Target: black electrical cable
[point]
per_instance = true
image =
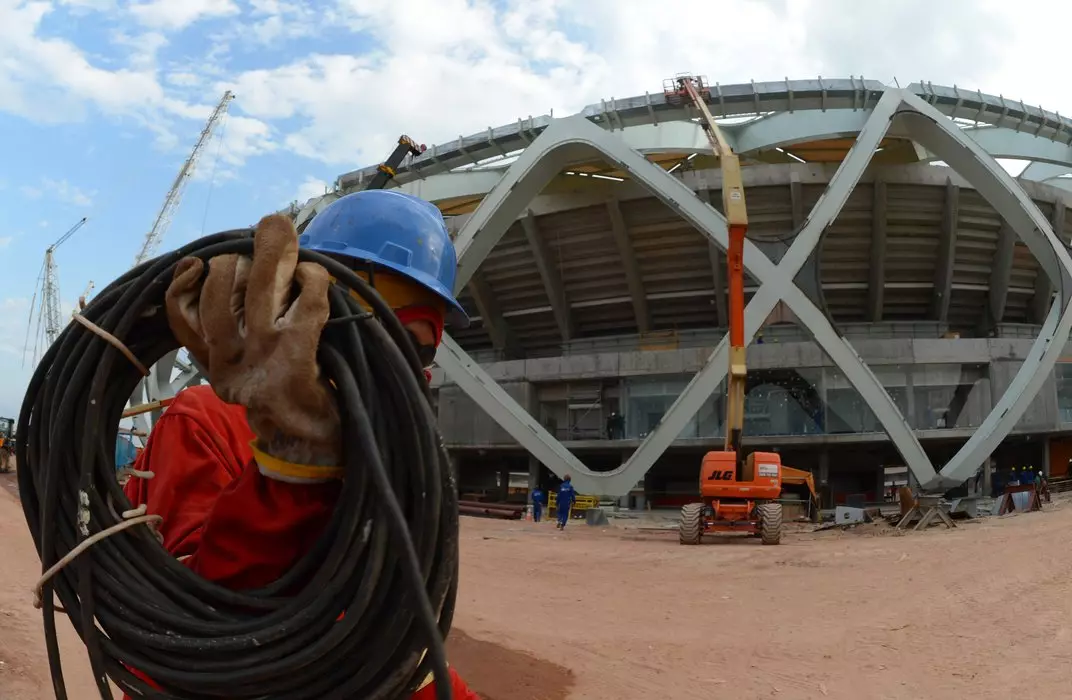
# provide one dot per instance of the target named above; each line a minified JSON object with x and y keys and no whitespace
{"x":362,"y":615}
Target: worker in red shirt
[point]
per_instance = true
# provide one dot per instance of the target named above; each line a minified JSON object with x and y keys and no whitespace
{"x":246,"y":471}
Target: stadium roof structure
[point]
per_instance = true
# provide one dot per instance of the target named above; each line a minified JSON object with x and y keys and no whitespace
{"x":604,"y":223}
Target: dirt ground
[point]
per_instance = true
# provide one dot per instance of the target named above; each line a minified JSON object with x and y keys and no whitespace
{"x":983,"y":611}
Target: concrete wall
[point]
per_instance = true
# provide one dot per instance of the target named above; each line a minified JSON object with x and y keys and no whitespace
{"x":1042,"y":414}
{"x":464,"y":423}
{"x":768,"y":355}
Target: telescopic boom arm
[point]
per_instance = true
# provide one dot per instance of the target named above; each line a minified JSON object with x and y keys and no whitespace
{"x":733,"y":205}
{"x":386,"y":171}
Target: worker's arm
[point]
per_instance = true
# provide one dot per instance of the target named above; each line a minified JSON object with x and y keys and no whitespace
{"x":260,"y":527}
{"x":227,"y":520}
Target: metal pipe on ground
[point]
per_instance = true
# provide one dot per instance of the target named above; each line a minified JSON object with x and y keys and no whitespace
{"x":493,"y":504}
{"x":487,"y":512}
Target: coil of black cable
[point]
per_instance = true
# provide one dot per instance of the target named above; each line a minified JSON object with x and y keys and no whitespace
{"x":362,"y":615}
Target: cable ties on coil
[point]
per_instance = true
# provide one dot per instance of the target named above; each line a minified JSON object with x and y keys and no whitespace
{"x":113,"y":341}
{"x":135,"y":512}
{"x":86,"y":544}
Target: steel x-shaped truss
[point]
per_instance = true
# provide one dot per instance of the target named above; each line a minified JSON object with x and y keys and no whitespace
{"x":573,"y":138}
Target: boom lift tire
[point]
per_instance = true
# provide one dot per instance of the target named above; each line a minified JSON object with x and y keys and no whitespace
{"x":690,"y":527}
{"x":770,"y":523}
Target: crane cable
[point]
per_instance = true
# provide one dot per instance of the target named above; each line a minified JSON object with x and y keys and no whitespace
{"x":362,"y":615}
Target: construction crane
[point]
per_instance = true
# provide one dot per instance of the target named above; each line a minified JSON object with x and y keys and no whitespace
{"x":174,"y":195}
{"x":739,"y":495}
{"x":83,"y":299}
{"x":49,"y":320}
{"x":386,"y":171}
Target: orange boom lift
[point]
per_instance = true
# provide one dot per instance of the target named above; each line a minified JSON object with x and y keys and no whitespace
{"x":738,"y":495}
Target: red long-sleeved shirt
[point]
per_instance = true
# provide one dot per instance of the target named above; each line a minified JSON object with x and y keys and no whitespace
{"x":230,"y":523}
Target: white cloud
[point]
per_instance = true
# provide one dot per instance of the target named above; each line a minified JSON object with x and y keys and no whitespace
{"x":312,"y":187}
{"x":49,"y":79}
{"x":60,"y":190}
{"x":144,"y":47}
{"x":178,"y":14}
{"x":67,"y":193}
{"x":244,"y":138}
{"x":235,"y":140}
{"x":183,"y":79}
{"x":96,"y":5}
{"x":353,"y":107}
{"x":277,"y":19}
{"x":497,"y":61}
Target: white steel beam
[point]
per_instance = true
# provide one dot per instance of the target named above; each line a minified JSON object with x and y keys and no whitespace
{"x":515,"y":420}
{"x":776,"y":285}
{"x":1040,"y":303}
{"x":925,"y":124}
{"x":1040,"y":172}
{"x":1050,"y":159}
{"x":788,"y":128}
{"x":973,"y":163}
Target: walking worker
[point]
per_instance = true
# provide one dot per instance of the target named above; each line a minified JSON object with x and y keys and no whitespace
{"x":538,"y":497}
{"x":564,"y":501}
{"x":246,"y":471}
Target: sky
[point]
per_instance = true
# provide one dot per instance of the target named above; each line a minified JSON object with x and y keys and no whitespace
{"x":101,"y":101}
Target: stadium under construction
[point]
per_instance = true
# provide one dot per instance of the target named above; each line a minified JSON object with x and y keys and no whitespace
{"x":908,"y":295}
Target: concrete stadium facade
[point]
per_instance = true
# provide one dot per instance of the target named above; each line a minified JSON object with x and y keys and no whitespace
{"x":908,"y":302}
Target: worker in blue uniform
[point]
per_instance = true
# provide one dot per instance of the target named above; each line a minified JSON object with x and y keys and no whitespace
{"x":538,"y":498}
{"x":564,"y":502}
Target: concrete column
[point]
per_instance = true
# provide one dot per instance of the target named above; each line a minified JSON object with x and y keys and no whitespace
{"x":988,"y":476}
{"x":1045,"y":457}
{"x":824,"y":374}
{"x":910,"y":398}
{"x":637,"y":498}
{"x":824,"y":475}
{"x":504,"y":483}
{"x":534,"y":472}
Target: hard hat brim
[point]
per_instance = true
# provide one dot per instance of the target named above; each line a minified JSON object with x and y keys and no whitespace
{"x":456,"y":316}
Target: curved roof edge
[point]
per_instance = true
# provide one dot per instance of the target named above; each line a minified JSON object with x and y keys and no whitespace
{"x":731,"y":101}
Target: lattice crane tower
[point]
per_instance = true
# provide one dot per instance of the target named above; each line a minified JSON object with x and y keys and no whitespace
{"x":49,"y":320}
{"x":174,"y":195}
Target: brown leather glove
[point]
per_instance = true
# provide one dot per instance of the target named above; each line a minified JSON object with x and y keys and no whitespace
{"x":259,"y":347}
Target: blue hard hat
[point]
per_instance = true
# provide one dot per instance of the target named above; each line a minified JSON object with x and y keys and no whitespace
{"x":393,"y":230}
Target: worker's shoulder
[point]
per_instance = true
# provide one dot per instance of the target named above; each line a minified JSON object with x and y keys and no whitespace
{"x":201,"y":403}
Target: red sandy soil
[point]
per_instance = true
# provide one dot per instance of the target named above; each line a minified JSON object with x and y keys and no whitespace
{"x":982,"y":611}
